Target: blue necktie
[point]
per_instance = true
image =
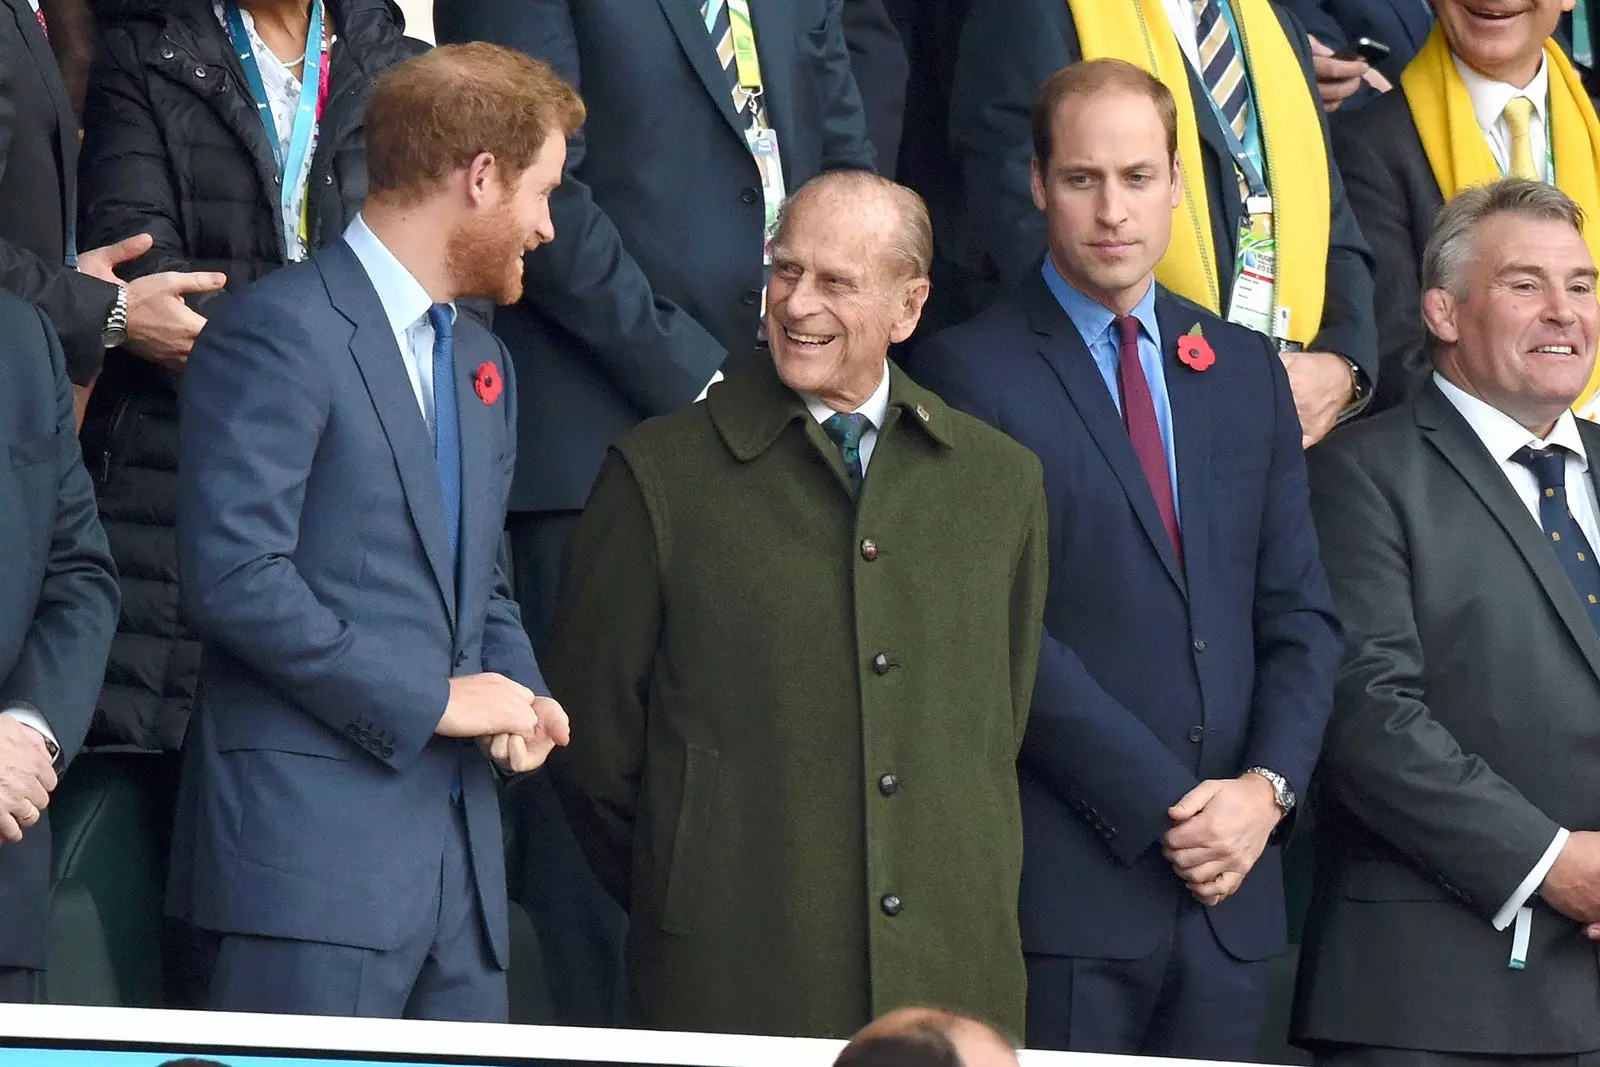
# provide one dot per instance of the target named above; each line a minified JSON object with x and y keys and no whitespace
{"x":846,"y":431}
{"x":1549,"y":466}
{"x":446,"y":425}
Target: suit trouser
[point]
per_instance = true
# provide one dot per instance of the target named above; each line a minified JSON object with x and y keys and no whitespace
{"x":444,"y":970}
{"x":1377,"y":1056}
{"x":20,"y":985}
{"x":581,"y":929}
{"x":1188,"y":999}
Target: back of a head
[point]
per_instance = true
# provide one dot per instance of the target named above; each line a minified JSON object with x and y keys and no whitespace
{"x":927,"y":1037}
{"x":920,"y":1046}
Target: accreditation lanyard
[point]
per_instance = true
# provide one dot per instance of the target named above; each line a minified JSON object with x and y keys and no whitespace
{"x":761,"y":137}
{"x":745,"y":58}
{"x":295,"y":169}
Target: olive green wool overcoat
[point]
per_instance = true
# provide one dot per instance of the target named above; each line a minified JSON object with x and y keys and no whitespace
{"x":795,"y":719}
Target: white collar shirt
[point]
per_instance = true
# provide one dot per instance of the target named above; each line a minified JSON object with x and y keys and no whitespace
{"x":1489,"y":100}
{"x":876,"y":409}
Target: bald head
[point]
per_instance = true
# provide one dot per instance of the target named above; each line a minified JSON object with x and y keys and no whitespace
{"x":927,"y":1037}
{"x":897,"y":214}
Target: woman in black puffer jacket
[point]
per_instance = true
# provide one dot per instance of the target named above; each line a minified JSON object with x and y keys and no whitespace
{"x":174,"y":147}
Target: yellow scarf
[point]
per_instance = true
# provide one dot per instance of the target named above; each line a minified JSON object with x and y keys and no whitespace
{"x":1296,"y":154}
{"x":1459,"y":154}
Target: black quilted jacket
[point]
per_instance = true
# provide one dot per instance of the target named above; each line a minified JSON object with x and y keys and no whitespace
{"x":173,"y":147}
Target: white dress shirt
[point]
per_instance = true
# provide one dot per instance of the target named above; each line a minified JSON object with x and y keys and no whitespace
{"x":1503,"y":436}
{"x":1181,"y":14}
{"x":29,"y":715}
{"x":1489,"y":100}
{"x":405,"y":303}
{"x":876,"y":409}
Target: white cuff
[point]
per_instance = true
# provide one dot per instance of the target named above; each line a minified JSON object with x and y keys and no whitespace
{"x":715,"y":378}
{"x":1531,"y":884}
{"x":28,"y":715}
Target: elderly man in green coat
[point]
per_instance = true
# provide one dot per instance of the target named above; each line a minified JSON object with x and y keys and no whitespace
{"x":802,"y":620}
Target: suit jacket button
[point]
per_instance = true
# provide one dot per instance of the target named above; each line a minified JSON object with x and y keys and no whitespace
{"x":1196,"y":733}
{"x":880,"y":664}
{"x":869,"y":549}
{"x":750,"y":195}
{"x":1199,"y":645}
{"x":889,"y":784}
{"x":891,"y":905}
{"x":752,"y":298}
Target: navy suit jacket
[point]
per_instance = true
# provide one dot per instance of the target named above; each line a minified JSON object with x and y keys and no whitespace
{"x":654,"y":278}
{"x":1008,"y":49}
{"x":1403,"y":25}
{"x":59,"y":607}
{"x":1153,"y":676}
{"x":315,"y":567}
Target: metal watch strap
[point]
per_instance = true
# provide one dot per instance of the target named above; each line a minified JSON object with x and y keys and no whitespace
{"x":1282,"y":795}
{"x":115,"y":330}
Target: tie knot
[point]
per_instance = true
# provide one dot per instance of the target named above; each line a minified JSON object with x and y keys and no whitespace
{"x":440,"y":319}
{"x":1127,"y":329}
{"x":1549,"y":465}
{"x":1518,"y":114}
{"x":846,"y":430}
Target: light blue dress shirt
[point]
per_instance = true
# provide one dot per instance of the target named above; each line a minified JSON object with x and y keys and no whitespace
{"x":1096,"y":324}
{"x":405,"y":304}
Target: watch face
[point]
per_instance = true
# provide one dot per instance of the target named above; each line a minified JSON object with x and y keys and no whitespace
{"x":111,"y":338}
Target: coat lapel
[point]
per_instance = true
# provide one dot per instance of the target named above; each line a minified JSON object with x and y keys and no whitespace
{"x":1450,"y":433}
{"x":1191,"y":431}
{"x":686,"y":21}
{"x":479,"y":464}
{"x":1062,"y":347}
{"x":383,"y":370}
{"x":50,"y":76}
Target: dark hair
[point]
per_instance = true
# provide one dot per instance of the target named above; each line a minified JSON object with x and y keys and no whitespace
{"x":435,"y":113}
{"x":193,"y":1061}
{"x":924,"y":1045}
{"x":1096,"y":76}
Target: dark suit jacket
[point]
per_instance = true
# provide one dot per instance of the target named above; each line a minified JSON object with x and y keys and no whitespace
{"x":1395,"y":198}
{"x":879,"y":65}
{"x":1403,"y":25}
{"x":654,"y":278}
{"x":1463,"y":733}
{"x":60,"y":602}
{"x":315,"y":566}
{"x":1152,"y":676}
{"x":38,"y":193}
{"x":1008,"y":49}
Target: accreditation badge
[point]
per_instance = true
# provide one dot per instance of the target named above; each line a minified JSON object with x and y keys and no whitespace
{"x":764,"y":147}
{"x":1255,"y":272}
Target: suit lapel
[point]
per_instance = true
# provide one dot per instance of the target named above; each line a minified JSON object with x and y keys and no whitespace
{"x":479,"y":464}
{"x":1414,"y":19}
{"x":394,"y":399}
{"x":686,"y":21}
{"x":1191,"y":431}
{"x":1450,"y":433}
{"x":66,"y":121}
{"x":1062,"y":347}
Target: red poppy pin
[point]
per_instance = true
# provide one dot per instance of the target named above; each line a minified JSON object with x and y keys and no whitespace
{"x":486,"y":381}
{"x":1194,"y":351}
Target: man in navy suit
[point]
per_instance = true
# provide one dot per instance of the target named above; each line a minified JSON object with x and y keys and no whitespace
{"x":347,"y":445}
{"x":1188,"y":662}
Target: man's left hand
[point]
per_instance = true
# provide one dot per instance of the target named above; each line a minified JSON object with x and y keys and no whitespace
{"x":517,"y":754}
{"x":1222,"y":828}
{"x":1337,"y":79}
{"x":1323,"y":388}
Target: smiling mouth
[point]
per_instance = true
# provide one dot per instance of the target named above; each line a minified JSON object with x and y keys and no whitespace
{"x":808,"y":340}
{"x":1556,"y":350}
{"x":1491,"y":16}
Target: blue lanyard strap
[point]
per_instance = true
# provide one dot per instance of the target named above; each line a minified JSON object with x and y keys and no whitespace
{"x":294,"y":168}
{"x":1241,"y":157}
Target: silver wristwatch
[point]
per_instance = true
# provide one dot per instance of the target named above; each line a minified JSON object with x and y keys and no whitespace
{"x":115,"y":331}
{"x":1282,"y":795}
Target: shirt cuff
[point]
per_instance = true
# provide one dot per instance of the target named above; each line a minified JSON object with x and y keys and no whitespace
{"x":1531,"y":884}
{"x":28,"y":715}
{"x":715,"y":378}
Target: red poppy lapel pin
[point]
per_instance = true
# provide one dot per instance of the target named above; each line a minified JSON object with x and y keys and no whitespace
{"x":1194,"y":351}
{"x":487,"y":383}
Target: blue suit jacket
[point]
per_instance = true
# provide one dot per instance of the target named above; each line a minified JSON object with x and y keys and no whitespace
{"x":1152,"y":676}
{"x":315,"y":568}
{"x":655,"y":275}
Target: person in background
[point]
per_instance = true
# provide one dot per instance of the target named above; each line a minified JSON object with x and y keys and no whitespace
{"x":802,"y":620}
{"x":1457,"y":901}
{"x":1334,"y":25}
{"x":58,"y":607}
{"x":655,"y":287}
{"x":879,"y":65}
{"x":1265,"y":237}
{"x":346,"y":452}
{"x":927,"y":1037}
{"x":1190,"y":644}
{"x":195,"y":134}
{"x":1484,"y":98}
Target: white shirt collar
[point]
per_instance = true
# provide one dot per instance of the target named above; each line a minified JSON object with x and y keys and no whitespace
{"x":1501,"y":434}
{"x":404,"y":299}
{"x":876,"y":409}
{"x":1489,"y":98}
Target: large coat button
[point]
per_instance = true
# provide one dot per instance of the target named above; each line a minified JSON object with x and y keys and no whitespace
{"x":1196,"y":733}
{"x":869,"y":549}
{"x":880,"y":664}
{"x":891,"y":905}
{"x":889,"y":784}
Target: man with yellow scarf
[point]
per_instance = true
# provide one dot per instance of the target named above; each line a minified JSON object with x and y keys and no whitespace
{"x":1264,"y":235}
{"x":1491,"y":94}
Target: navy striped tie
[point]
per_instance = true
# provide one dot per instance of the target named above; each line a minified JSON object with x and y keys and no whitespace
{"x":1549,"y":466}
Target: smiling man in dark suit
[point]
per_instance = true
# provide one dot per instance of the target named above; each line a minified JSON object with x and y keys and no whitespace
{"x":1189,"y":648}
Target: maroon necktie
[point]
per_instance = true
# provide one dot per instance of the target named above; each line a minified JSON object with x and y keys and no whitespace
{"x":1139,"y":414}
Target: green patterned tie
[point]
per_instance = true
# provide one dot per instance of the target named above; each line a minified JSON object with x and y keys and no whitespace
{"x":846,"y":431}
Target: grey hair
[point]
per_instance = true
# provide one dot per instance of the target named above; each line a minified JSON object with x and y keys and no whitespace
{"x":912,"y":243}
{"x":1444,"y":262}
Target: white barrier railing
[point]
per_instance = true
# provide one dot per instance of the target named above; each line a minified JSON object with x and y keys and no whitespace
{"x":225,"y":1035}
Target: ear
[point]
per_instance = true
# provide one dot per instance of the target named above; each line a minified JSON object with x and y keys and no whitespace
{"x":482,"y":172}
{"x":1036,"y":182}
{"x":1568,"y":5}
{"x":1177,"y":182}
{"x":1439,"y":312}
{"x":912,"y":301}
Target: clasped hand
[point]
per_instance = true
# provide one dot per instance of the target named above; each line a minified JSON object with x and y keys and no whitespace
{"x":27,"y":778}
{"x":517,"y":727}
{"x":1220,"y":830}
